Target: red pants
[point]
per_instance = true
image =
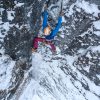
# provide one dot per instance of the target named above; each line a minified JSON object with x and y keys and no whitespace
{"x":37,"y":39}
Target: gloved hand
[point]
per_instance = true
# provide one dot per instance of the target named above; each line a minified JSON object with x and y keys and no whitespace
{"x":61,"y":13}
{"x":45,"y":6}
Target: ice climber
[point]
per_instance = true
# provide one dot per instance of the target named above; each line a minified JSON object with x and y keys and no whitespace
{"x":48,"y":33}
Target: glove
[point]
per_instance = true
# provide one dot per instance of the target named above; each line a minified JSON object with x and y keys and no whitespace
{"x":61,"y":13}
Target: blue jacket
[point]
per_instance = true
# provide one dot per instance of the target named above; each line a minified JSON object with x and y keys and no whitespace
{"x":55,"y":31}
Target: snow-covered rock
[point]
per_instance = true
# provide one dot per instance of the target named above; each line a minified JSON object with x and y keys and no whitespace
{"x":71,"y":74}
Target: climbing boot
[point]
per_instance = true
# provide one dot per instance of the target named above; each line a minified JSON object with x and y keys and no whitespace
{"x":34,"y":50}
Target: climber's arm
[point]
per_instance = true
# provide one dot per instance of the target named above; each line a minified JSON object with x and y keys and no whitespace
{"x":55,"y":31}
{"x":45,"y":19}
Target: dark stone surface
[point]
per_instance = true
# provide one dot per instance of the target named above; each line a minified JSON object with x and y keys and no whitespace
{"x":18,"y":39}
{"x":4,"y":16}
{"x":94,"y":1}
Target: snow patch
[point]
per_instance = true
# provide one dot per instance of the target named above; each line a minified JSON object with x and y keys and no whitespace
{"x":95,"y":48}
{"x":18,"y":4}
{"x":6,"y":26}
{"x":10,"y":15}
{"x":97,"y":33}
{"x":97,"y":25}
{"x":1,"y":10}
{"x":36,"y":97}
{"x":86,"y":6}
{"x":29,"y":92}
{"x":6,"y":66}
{"x":89,"y":8}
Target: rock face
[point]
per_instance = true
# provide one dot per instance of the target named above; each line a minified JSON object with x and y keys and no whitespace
{"x":92,"y":1}
{"x":18,"y":41}
{"x":18,"y":28}
{"x":78,"y":38}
